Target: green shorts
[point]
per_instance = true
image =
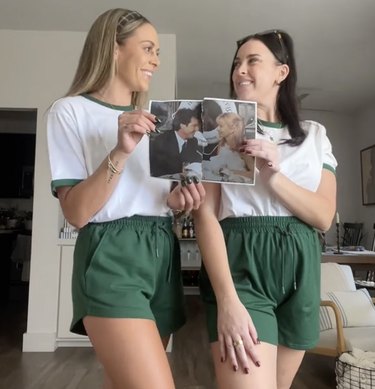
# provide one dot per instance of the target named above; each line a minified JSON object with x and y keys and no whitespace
{"x":275,"y":265}
{"x":128,"y":268}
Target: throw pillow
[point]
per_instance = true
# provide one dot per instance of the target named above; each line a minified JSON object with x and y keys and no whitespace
{"x":356,"y":309}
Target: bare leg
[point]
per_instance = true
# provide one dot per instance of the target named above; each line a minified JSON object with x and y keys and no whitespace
{"x":131,"y":352}
{"x":259,"y":377}
{"x":288,"y":362}
{"x":107,"y":382}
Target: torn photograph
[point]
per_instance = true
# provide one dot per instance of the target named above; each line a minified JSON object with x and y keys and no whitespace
{"x":201,"y":138}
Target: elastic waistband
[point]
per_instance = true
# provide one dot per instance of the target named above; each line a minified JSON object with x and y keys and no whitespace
{"x":265,"y":222}
{"x":137,"y":221}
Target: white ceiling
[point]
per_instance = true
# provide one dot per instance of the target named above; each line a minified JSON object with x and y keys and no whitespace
{"x":334,"y":39}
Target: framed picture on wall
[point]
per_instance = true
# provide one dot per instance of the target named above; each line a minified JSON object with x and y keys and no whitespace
{"x":368,"y":175}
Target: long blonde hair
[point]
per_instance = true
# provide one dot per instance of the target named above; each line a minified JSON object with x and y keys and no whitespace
{"x":235,"y":124}
{"x":96,"y":64}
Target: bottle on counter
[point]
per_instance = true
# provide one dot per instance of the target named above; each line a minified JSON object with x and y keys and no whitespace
{"x":177,"y":227}
{"x":191,"y":229}
{"x":185,"y":229}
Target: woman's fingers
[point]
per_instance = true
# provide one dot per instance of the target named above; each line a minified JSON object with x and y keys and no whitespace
{"x":193,"y":191}
{"x":230,"y":352}
{"x":263,"y":150}
{"x":223,"y":349}
{"x":240,"y":349}
{"x":236,"y":350}
{"x":251,"y":351}
{"x":237,"y":336}
{"x":187,"y":196}
{"x":137,"y":121}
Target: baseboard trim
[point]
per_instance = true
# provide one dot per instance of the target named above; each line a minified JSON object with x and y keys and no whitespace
{"x":39,"y":342}
{"x":42,"y":342}
{"x":63,"y":342}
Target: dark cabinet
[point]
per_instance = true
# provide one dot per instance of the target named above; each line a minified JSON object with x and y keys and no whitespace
{"x":17,"y":155}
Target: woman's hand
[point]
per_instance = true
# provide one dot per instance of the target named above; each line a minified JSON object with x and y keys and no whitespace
{"x":266,"y":152}
{"x":131,"y":128}
{"x":186,"y":196}
{"x":237,"y":335}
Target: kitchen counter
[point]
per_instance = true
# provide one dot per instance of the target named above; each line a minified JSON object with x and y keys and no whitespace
{"x":9,"y":231}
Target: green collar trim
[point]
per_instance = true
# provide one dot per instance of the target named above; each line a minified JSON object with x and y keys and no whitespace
{"x":270,"y":124}
{"x":116,"y":107}
{"x":330,"y":168}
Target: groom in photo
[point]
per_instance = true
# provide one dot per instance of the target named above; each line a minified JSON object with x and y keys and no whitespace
{"x":172,"y":149}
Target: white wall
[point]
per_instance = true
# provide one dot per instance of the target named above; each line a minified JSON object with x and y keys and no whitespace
{"x":37,"y":67}
{"x":344,"y":144}
{"x":348,"y":135}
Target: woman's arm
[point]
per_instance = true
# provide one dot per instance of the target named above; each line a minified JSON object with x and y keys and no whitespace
{"x":234,"y":322}
{"x":314,"y":208}
{"x":211,"y":243}
{"x":82,"y":201}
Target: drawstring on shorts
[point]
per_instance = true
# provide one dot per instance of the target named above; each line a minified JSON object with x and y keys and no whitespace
{"x":159,"y":227}
{"x":285,"y":233}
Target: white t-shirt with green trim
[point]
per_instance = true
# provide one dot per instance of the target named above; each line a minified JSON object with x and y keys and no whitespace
{"x":302,"y":164}
{"x":81,"y":132}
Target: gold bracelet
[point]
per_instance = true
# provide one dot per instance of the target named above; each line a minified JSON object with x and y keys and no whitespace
{"x":112,"y":167}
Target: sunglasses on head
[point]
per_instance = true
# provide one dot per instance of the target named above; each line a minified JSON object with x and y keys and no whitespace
{"x":271,"y":33}
{"x":131,"y":16}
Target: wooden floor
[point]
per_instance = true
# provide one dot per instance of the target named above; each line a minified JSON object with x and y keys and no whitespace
{"x":73,"y":368}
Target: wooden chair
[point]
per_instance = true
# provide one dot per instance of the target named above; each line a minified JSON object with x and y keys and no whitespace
{"x":342,"y":337}
{"x":352,"y":234}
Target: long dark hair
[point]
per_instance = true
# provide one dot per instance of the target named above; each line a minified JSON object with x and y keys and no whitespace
{"x":281,"y":46}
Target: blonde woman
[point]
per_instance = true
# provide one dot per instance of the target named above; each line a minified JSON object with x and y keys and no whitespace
{"x":126,"y":286}
{"x":228,"y":162}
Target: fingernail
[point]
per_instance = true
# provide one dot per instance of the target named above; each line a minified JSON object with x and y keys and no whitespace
{"x":157,"y":120}
{"x":257,"y":363}
{"x":196,"y":180}
{"x":258,"y":341}
{"x":222,"y":359}
{"x":183,"y":182}
{"x":157,"y":131}
{"x":269,"y":164}
{"x":189,"y":180}
{"x":148,"y":133}
{"x":235,"y":368}
{"x":247,"y":370}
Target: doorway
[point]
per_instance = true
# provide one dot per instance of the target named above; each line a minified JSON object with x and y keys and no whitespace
{"x":17,"y":161}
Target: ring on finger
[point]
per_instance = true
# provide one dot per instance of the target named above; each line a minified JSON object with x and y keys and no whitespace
{"x":237,"y":343}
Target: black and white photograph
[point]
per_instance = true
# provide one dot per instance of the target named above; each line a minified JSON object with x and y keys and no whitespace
{"x":226,"y":123}
{"x":201,"y":138}
{"x":174,"y":147}
{"x":368,"y":175}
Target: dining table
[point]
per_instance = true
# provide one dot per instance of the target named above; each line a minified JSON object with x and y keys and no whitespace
{"x":357,"y":260}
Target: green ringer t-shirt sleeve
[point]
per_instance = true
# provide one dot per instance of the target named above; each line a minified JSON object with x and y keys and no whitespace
{"x":59,"y":183}
{"x":330,"y":168}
